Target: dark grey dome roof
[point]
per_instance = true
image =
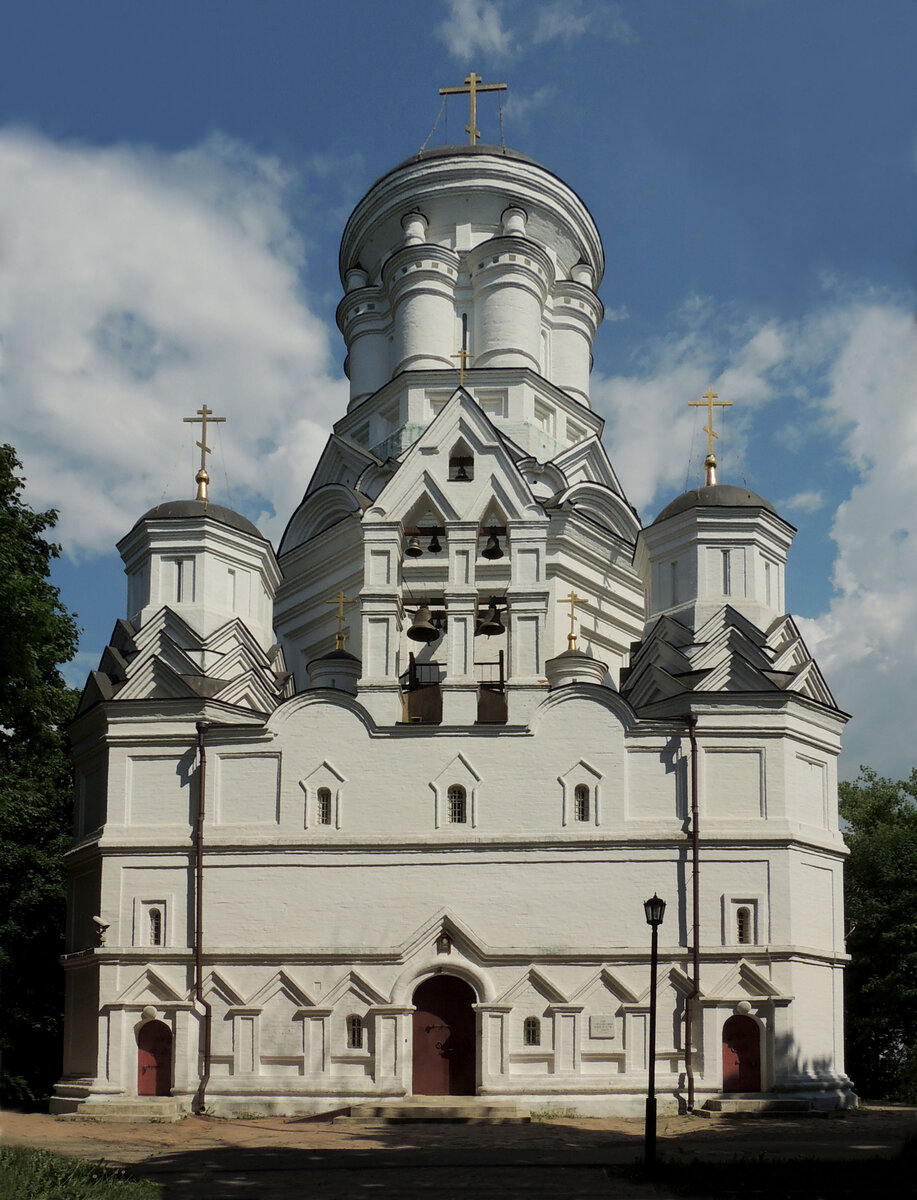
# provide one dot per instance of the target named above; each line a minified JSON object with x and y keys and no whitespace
{"x":478,"y":149}
{"x":183,"y":510}
{"x":718,"y":495}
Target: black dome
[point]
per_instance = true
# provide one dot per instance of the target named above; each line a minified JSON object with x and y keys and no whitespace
{"x":183,"y":510}
{"x":717,"y":495}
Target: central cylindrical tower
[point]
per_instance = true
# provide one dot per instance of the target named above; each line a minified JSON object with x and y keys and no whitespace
{"x":470,"y":246}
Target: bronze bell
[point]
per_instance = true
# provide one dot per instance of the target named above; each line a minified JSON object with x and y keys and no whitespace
{"x":490,"y":624}
{"x":414,"y":549}
{"x":434,"y":546}
{"x":461,"y":475}
{"x":492,"y":549}
{"x":422,"y":628}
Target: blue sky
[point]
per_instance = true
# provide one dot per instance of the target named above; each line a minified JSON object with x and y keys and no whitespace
{"x":173,"y":183}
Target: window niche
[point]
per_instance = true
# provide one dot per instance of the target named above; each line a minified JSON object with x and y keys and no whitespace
{"x":742,"y":916}
{"x":354,"y":1032}
{"x":461,"y":463}
{"x":580,"y":796}
{"x":322,"y":798}
{"x":151,"y":926}
{"x":531,"y":1032}
{"x":455,"y":793}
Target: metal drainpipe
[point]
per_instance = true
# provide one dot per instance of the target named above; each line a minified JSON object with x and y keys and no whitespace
{"x":695,"y":898}
{"x":204,"y":1052}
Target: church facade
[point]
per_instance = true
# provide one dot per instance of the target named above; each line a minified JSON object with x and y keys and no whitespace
{"x":374,"y":816}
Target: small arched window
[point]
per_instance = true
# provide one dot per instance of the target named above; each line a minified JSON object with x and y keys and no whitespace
{"x":743,"y":926}
{"x":458,"y":809}
{"x":355,"y":1033}
{"x":323,"y":797}
{"x":531,"y":1031}
{"x":155,"y":926}
{"x":581,"y":802}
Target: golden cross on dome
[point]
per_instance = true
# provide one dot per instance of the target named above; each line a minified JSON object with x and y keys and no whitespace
{"x":473,"y":85}
{"x":340,"y":638}
{"x":204,"y":414}
{"x":572,"y":599}
{"x":709,"y":401}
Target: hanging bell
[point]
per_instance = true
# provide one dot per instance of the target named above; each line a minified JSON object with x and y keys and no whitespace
{"x":461,"y":475}
{"x":434,"y":546}
{"x":414,"y":549}
{"x":492,"y":549}
{"x":490,"y":624}
{"x":422,"y":629}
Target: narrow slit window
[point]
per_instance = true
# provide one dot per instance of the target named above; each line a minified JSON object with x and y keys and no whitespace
{"x":531,"y":1031}
{"x":673,"y":581}
{"x":324,"y":806}
{"x":354,"y":1033}
{"x":581,"y":802}
{"x":743,"y":926}
{"x":155,"y":927}
{"x":727,"y":573}
{"x":458,"y":808}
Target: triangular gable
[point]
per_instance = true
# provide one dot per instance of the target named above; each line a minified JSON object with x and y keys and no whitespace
{"x":356,"y":984}
{"x":588,"y":462}
{"x":742,"y":981}
{"x":811,"y":683}
{"x":280,"y":982}
{"x":736,"y":674}
{"x":250,"y":690}
{"x":150,"y":986}
{"x":342,"y":461}
{"x":460,"y":418}
{"x":606,"y":979}
{"x":457,"y":770}
{"x":725,"y":617}
{"x":156,"y":680}
{"x":675,"y":977}
{"x":218,"y":985}
{"x":462,"y":937}
{"x":534,"y":979}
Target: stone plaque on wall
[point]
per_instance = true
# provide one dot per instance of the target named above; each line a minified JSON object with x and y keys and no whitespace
{"x":601,"y":1027}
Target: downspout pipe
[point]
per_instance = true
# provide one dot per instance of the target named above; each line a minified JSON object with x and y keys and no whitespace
{"x":204,"y":1051}
{"x":695,"y":906}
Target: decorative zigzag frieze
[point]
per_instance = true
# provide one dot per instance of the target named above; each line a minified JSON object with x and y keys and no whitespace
{"x":167,"y":659}
{"x":726,"y":654}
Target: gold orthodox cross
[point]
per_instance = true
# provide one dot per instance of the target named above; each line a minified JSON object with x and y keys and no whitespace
{"x":710,"y":401}
{"x":572,"y":599}
{"x":463,"y":356}
{"x":340,"y":638}
{"x":204,"y":414}
{"x":473,"y":85}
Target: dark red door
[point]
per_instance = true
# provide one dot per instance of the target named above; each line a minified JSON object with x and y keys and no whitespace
{"x":444,"y":1050}
{"x":741,"y":1055}
{"x":154,"y":1060}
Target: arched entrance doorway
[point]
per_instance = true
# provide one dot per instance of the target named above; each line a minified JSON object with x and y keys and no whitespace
{"x":741,"y":1055}
{"x":154,"y":1060}
{"x":444,"y":1043}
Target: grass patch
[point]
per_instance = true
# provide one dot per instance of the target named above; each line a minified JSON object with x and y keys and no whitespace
{"x":40,"y":1175}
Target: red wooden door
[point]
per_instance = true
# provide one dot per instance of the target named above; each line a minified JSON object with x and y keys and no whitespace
{"x":741,"y":1055}
{"x":154,"y":1060}
{"x":444,"y":1048}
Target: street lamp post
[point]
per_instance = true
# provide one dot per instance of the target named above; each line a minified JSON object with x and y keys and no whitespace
{"x":655,"y":910}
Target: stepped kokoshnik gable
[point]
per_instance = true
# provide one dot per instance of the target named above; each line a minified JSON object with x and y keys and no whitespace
{"x":375,"y":816}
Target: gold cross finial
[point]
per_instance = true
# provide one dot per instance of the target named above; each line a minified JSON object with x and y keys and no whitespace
{"x":473,"y":85}
{"x":710,"y":401}
{"x":340,"y":638}
{"x":204,"y":414}
{"x":463,"y":356}
{"x":572,"y":599}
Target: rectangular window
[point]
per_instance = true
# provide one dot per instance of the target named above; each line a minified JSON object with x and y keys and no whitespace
{"x":727,"y":573}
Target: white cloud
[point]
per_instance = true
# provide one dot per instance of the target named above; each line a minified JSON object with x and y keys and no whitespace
{"x":803,"y":501}
{"x":568,"y":20}
{"x":866,"y":642}
{"x":845,"y":376}
{"x":134,"y":286}
{"x":474,"y":26}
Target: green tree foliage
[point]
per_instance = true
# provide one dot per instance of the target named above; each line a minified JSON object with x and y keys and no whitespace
{"x":881,"y":897}
{"x":36,"y":635}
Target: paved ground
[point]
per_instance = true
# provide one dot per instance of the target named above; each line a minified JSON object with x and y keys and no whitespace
{"x":281,"y":1158}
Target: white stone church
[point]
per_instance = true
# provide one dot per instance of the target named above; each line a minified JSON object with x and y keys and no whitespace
{"x":372,"y":817}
